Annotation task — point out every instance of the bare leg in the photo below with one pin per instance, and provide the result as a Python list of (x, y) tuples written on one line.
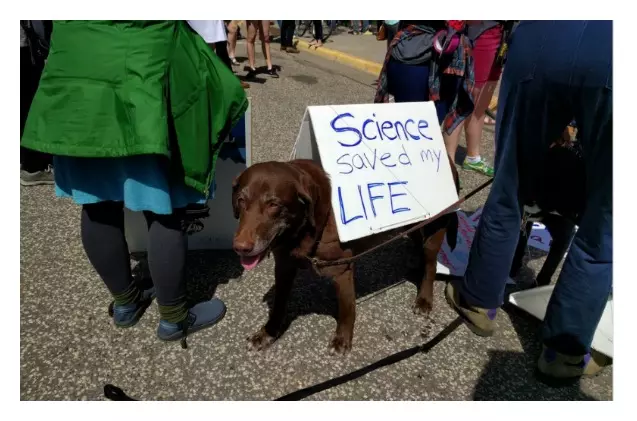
[(452, 140), (251, 39), (475, 122), (473, 126), (232, 39), (264, 30)]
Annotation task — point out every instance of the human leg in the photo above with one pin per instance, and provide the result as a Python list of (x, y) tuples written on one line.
[(250, 41), (264, 31), (521, 131), (318, 33), (232, 41), (585, 283), (102, 231), (407, 83), (167, 247)]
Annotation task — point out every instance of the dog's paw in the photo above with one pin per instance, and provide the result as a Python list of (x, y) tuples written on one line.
[(422, 306), (260, 341), (340, 345)]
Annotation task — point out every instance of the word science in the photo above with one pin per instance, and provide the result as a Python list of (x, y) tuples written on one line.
[(387, 164)]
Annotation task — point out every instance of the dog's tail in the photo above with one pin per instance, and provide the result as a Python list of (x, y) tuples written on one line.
[(452, 230)]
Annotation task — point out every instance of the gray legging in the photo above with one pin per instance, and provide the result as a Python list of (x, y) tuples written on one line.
[(105, 245)]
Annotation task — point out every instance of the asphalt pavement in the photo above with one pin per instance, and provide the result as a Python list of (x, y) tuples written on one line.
[(69, 348)]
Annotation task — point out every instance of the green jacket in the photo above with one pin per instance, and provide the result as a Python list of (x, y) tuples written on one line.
[(121, 88)]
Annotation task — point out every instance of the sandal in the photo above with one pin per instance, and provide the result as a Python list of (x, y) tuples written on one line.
[(489, 121)]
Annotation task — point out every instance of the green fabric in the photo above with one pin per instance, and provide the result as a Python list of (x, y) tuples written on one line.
[(122, 88), (130, 296), (173, 314)]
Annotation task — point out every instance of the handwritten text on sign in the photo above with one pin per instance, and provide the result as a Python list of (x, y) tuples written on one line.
[(387, 164)]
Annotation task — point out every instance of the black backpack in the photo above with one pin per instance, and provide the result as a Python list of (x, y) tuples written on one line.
[(38, 33)]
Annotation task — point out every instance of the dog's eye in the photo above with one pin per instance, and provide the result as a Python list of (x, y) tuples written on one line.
[(273, 205)]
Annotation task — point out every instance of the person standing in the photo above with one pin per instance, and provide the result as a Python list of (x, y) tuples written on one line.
[(233, 32), (287, 36), (145, 136), (262, 28), (391, 26), (214, 33), (414, 72), (555, 71), (36, 168), (360, 27), (318, 34), (487, 37)]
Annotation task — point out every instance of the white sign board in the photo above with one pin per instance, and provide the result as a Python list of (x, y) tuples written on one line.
[(387, 163), (535, 302), (454, 262)]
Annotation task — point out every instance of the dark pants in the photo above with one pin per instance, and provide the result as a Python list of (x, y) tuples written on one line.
[(31, 160), (287, 33), (318, 30), (106, 247), (221, 49), (555, 71), (410, 83)]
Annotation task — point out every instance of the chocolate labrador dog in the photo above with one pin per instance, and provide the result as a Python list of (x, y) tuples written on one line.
[(285, 208)]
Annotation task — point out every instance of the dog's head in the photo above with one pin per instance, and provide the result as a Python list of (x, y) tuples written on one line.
[(272, 200)]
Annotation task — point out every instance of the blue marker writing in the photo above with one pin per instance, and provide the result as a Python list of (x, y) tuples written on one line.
[(392, 195)]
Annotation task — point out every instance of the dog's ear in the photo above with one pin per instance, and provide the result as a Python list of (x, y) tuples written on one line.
[(235, 191), (306, 192)]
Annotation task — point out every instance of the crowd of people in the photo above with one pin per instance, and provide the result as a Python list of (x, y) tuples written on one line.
[(113, 142)]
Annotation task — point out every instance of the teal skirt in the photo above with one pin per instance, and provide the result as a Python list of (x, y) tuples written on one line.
[(141, 182)]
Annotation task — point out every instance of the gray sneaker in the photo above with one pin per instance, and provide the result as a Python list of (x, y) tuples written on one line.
[(37, 178)]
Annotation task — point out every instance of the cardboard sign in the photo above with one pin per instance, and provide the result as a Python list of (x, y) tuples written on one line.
[(218, 228), (455, 262), (535, 302), (387, 163)]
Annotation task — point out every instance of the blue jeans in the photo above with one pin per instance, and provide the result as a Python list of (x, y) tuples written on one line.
[(555, 71), (410, 83)]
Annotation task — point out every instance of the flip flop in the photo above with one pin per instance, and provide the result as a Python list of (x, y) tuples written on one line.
[(489, 121)]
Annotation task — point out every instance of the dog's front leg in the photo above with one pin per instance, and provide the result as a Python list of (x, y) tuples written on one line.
[(425, 299), (341, 342), (284, 273)]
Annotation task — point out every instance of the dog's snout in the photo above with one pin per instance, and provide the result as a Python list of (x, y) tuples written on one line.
[(243, 246)]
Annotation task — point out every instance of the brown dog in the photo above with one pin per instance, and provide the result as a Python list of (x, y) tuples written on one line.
[(285, 208)]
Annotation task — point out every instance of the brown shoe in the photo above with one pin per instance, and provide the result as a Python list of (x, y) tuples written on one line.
[(556, 369), (244, 85), (479, 320), (292, 50), (284, 49)]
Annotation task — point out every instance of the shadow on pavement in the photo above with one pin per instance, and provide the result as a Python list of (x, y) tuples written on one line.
[(205, 271), (379, 271), (209, 269), (387, 361), (509, 376)]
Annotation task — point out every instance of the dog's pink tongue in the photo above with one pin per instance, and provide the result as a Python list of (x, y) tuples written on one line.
[(250, 262)]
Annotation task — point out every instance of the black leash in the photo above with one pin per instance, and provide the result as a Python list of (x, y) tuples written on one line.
[(319, 263), (114, 393)]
